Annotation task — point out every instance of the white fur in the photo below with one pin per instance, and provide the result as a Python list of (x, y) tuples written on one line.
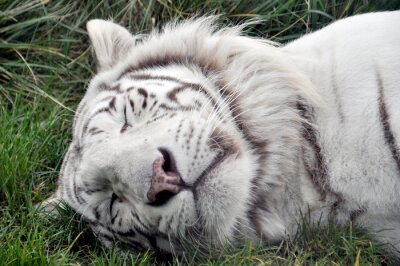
[(257, 192)]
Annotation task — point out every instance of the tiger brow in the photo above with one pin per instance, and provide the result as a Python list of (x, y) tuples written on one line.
[(100, 111)]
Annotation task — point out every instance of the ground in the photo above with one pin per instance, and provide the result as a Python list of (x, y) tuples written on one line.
[(45, 65)]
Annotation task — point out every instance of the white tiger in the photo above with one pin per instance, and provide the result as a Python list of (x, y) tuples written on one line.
[(204, 136)]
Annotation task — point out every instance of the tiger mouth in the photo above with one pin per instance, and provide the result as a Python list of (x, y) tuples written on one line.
[(229, 147), (214, 164)]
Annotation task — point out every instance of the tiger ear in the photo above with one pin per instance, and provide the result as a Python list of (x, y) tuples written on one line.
[(110, 42)]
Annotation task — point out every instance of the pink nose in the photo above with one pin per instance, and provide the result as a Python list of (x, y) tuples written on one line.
[(164, 182)]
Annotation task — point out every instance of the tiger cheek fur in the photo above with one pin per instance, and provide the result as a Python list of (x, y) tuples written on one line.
[(203, 137)]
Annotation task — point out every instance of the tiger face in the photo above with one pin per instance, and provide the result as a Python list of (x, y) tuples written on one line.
[(156, 159), (160, 155)]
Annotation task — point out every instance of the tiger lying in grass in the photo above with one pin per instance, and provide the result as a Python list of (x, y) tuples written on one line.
[(204, 136)]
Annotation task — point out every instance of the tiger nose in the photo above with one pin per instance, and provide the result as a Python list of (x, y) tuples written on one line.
[(165, 181)]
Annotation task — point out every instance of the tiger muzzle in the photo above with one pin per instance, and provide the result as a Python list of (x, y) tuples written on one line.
[(166, 181)]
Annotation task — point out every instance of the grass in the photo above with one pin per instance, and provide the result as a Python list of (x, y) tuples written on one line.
[(45, 65)]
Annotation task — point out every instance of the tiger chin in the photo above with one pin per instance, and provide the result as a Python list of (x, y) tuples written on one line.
[(201, 136)]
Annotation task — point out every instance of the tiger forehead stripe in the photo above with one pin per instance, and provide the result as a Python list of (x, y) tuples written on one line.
[(112, 103), (206, 64), (183, 85), (172, 95), (144, 93), (151, 77), (187, 85), (105, 87)]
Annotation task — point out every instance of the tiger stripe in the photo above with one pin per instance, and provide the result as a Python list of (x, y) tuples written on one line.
[(317, 171), (335, 91), (386, 127), (87, 123)]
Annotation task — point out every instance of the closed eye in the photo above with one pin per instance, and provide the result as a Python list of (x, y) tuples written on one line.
[(114, 197)]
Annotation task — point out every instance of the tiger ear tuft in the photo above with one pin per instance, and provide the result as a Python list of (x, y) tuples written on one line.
[(110, 42)]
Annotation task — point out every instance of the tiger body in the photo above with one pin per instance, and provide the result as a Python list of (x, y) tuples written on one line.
[(359, 122), (207, 137)]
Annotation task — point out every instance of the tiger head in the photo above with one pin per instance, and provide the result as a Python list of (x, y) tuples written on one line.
[(163, 151)]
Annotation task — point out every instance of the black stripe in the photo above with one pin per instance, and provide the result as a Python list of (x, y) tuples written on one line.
[(103, 87), (150, 238), (97, 223), (384, 116), (259, 146), (194, 87), (153, 105), (316, 167), (96, 213), (156, 118), (108, 238), (112, 104), (126, 124), (124, 127), (92, 191), (254, 219), (336, 93), (138, 219), (143, 92), (130, 89), (179, 130), (132, 244), (129, 233), (177, 108), (95, 131), (72, 165), (125, 117), (68, 191), (132, 104), (77, 191), (106, 87), (61, 179), (183, 85), (205, 64), (154, 77), (356, 213), (86, 125), (114, 197)]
